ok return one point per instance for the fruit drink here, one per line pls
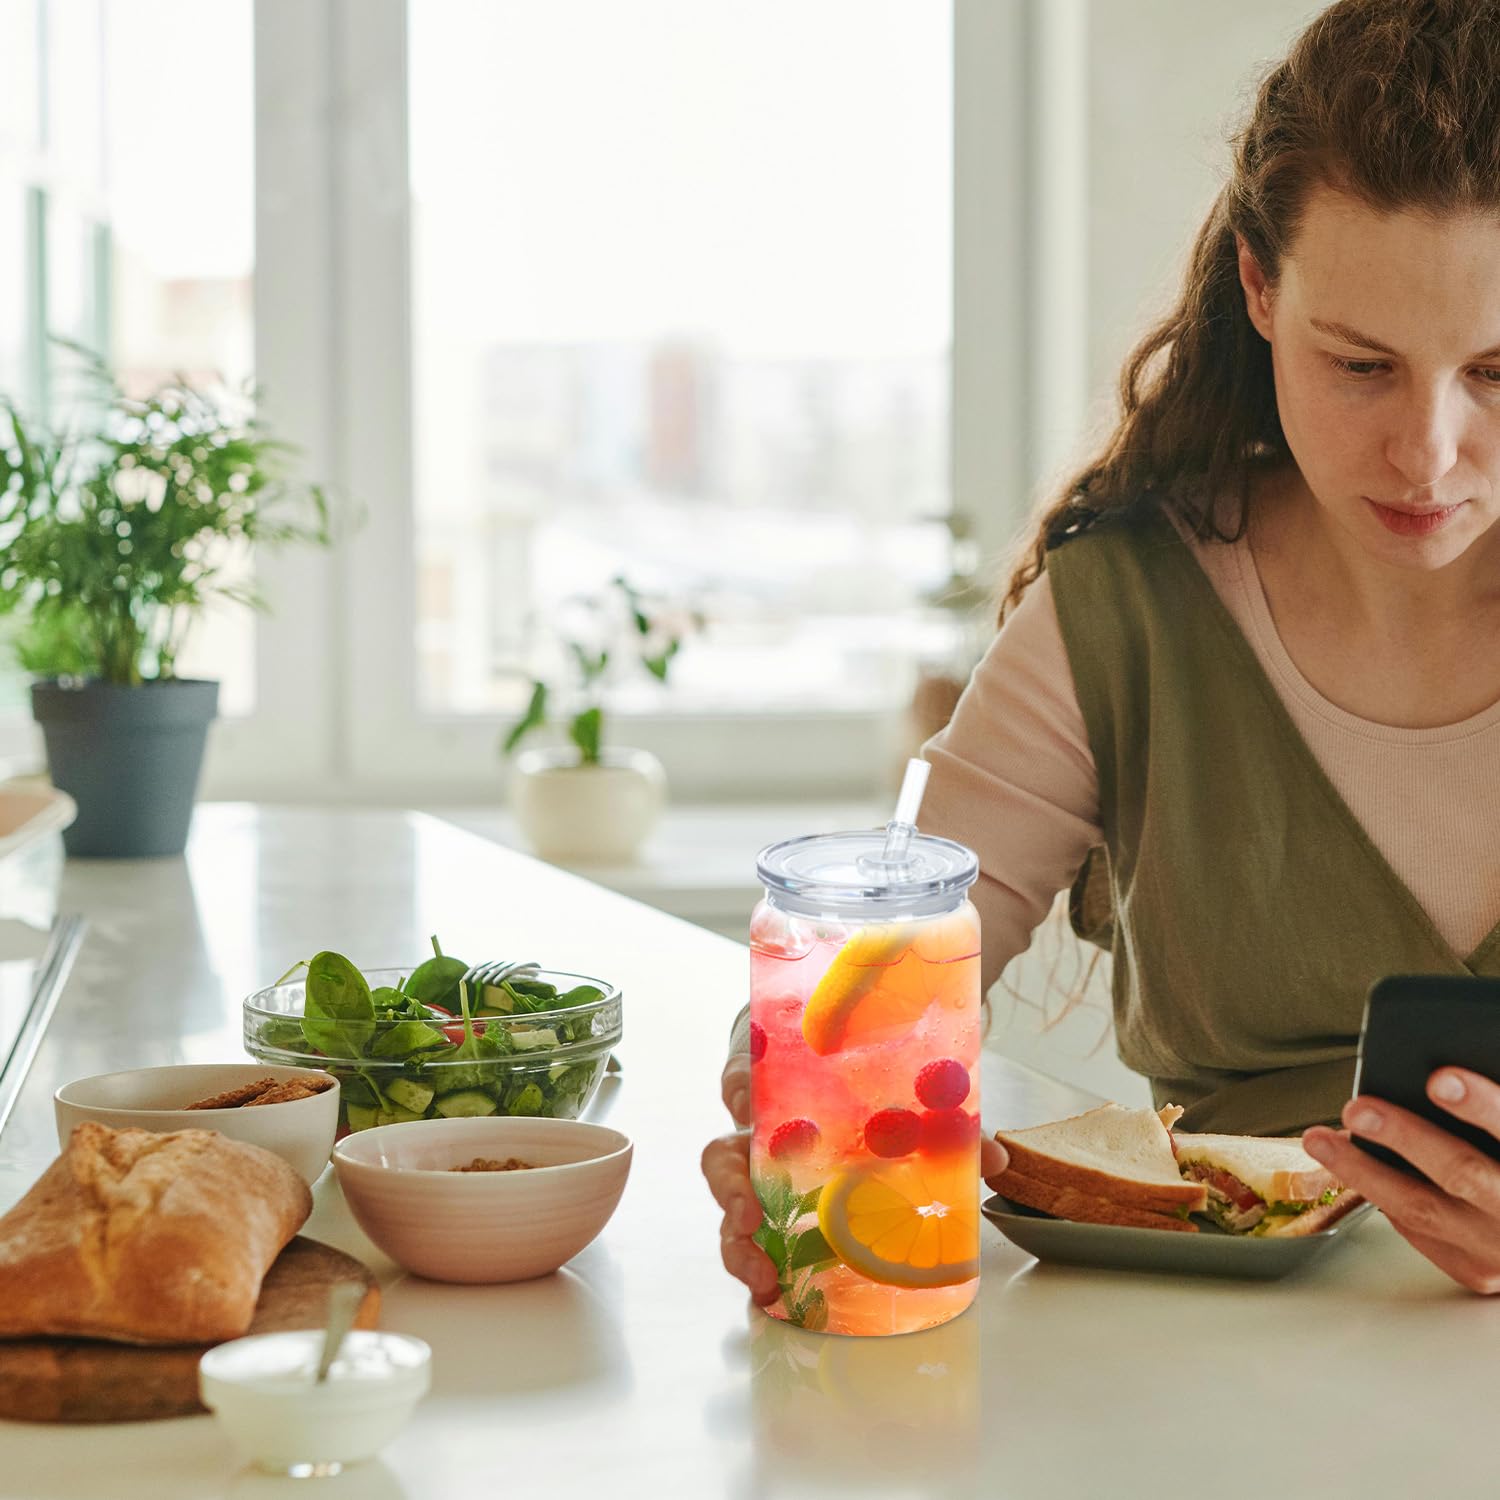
(864, 1046)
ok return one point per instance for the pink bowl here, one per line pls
(483, 1226)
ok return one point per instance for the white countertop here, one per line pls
(640, 1369)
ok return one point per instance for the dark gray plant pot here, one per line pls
(129, 757)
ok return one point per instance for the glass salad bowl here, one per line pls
(537, 1045)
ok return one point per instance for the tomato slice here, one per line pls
(455, 1032)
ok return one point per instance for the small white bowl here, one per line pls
(300, 1131)
(262, 1390)
(483, 1226)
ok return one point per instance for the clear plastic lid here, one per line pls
(850, 875)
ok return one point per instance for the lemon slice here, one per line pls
(912, 1224)
(863, 966)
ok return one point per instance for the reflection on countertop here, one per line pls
(876, 1416)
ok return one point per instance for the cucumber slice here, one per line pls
(464, 1104)
(361, 1116)
(528, 1100)
(409, 1094)
(534, 1041)
(396, 1115)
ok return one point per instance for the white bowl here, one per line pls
(299, 1131)
(483, 1226)
(262, 1389)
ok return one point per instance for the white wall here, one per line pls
(1168, 82)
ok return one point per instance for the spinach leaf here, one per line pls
(359, 1089)
(435, 982)
(525, 1099)
(286, 1035)
(407, 1037)
(481, 1049)
(538, 989)
(583, 994)
(338, 1016)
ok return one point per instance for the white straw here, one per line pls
(899, 830)
(913, 784)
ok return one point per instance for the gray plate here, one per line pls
(1210, 1252)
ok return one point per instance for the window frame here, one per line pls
(336, 716)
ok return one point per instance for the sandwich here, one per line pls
(1112, 1165)
(1126, 1167)
(1263, 1185)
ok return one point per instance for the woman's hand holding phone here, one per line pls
(1454, 1217)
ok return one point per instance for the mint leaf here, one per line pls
(778, 1198)
(812, 1311)
(798, 1256)
(773, 1242)
(809, 1202)
(810, 1249)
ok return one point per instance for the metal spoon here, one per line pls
(343, 1307)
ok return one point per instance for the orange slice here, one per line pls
(863, 966)
(911, 1224)
(949, 939)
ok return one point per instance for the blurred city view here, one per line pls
(797, 503)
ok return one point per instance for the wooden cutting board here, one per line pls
(88, 1380)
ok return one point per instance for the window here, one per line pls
(179, 107)
(126, 225)
(681, 311)
(547, 293)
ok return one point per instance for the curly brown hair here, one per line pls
(1395, 102)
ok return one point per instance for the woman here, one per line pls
(1245, 699)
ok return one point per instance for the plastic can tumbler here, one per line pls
(864, 1047)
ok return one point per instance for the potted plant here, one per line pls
(114, 535)
(583, 801)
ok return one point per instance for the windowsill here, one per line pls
(699, 862)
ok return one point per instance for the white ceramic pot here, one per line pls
(589, 814)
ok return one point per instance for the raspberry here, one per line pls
(757, 1042)
(945, 1130)
(793, 1138)
(892, 1132)
(943, 1084)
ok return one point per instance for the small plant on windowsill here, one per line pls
(584, 801)
(115, 535)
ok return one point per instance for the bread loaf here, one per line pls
(147, 1238)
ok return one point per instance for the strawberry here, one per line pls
(892, 1132)
(757, 1042)
(794, 1138)
(945, 1130)
(943, 1084)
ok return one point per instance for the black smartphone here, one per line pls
(1415, 1024)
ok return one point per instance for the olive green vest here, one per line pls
(1246, 909)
